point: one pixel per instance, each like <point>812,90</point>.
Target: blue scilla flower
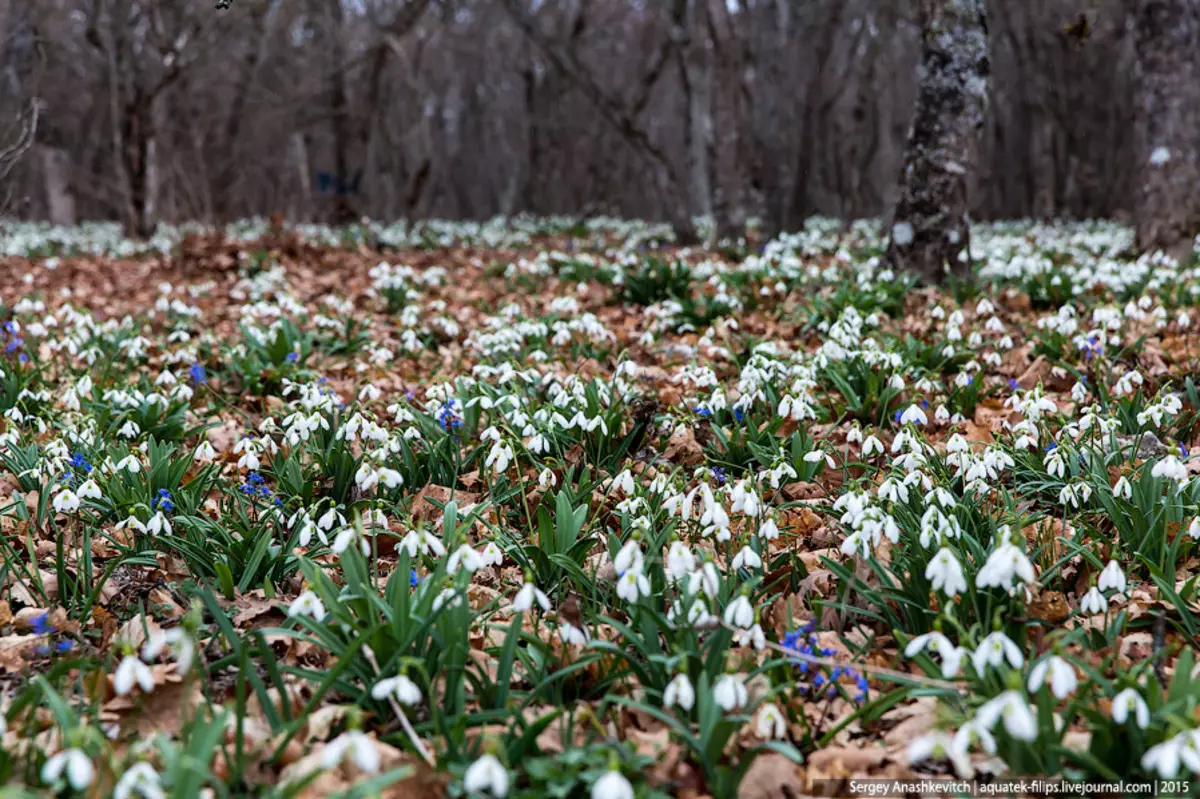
<point>164,501</point>
<point>41,625</point>
<point>739,414</point>
<point>413,579</point>
<point>197,374</point>
<point>292,356</point>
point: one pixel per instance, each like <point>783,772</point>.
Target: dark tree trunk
<point>930,225</point>
<point>1167,194</point>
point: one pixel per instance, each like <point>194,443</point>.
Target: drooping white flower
<point>612,785</point>
<point>529,594</point>
<point>487,775</point>
<point>1093,601</point>
<point>159,524</point>
<point>1063,679</point>
<point>632,584</point>
<point>139,780</point>
<point>680,692</point>
<point>1164,758</point>
<point>1012,708</point>
<point>179,642</point>
<point>75,763</point>
<point>405,690</point>
<point>66,501</point>
<point>730,692</point>
<point>739,612</point>
<point>1112,578</point>
<point>130,671</point>
<point>465,557</point>
<point>994,650</point>
<point>945,573</point>
<point>769,723</point>
<point>361,749</point>
<point>1128,700</point>
<point>307,604</point>
<point>937,745</point>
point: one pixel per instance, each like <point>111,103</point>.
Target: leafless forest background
<point>326,109</point>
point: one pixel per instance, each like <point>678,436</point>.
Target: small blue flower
<point>198,374</point>
<point>291,357</point>
<point>1013,384</point>
<point>739,414</point>
<point>719,474</point>
<point>65,645</point>
<point>1053,445</point>
<point>413,579</point>
<point>41,625</point>
<point>164,501</point>
<point>896,416</point>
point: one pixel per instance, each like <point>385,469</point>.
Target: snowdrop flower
<point>1094,602</point>
<point>491,555</point>
<point>141,780</point>
<point>571,634</point>
<point>680,560</point>
<point>390,478</point>
<point>629,558</point>
<point>1012,708</point>
<point>529,594</point>
<point>77,765</point>
<point>612,785</point>
<point>448,597</point>
<point>746,557</point>
<point>404,689</point>
<point>730,692</point>
<point>1164,757</point>
<point>1128,700</point>
<point>739,612</point>
<point>914,415</point>
<point>487,775</point>
<point>347,536</point>
<point>994,650</point>
<point>945,573</point>
<point>753,636</point>
<point>952,656</point>
<point>1006,563</point>
<point>129,430</point>
<point>872,446</point>
<point>65,501</point>
<point>1123,489</point>
<point>129,671</point>
<point>307,604</point>
<point>1193,530</point>
<point>679,692</point>
<point>1112,578</point>
<point>938,745</point>
<point>770,722</point>
<point>180,643</point>
<point>1171,468</point>
<point>89,490</point>
<point>158,524</point>
<point>421,541</point>
<point>464,557</point>
<point>1063,679</point>
<point>204,452</point>
<point>632,584</point>
<point>362,750</point>
<point>768,531</point>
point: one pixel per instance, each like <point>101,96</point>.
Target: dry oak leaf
<point>772,776</point>
<point>682,447</point>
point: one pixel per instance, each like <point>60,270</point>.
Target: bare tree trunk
<point>1167,195</point>
<point>55,175</point>
<point>695,57</point>
<point>930,226</point>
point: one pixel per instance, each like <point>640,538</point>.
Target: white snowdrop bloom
<point>632,584</point>
<point>89,490</point>
<point>529,594</point>
<point>546,479</point>
<point>994,650</point>
<point>624,481</point>
<point>139,780</point>
<point>307,604</point>
<point>1164,758</point>
<point>361,749</point>
<point>421,541</point>
<point>770,723</point>
<point>1170,468</point>
<point>178,641</point>
<point>465,557</point>
<point>612,785</point>
<point>937,745</point>
<point>1123,489</point>
<point>1093,602</point>
<point>66,501</point>
<point>132,671</point>
<point>945,573</point>
<point>491,555</point>
<point>739,612</point>
<point>679,692</point>
<point>629,558</point>
<point>159,524</point>
<point>1193,530</point>
<point>448,598</point>
<point>914,415</point>
<point>747,557</point>
<point>680,560</point>
<point>204,452</point>
<point>1112,578</point>
<point>1130,700</point>
<point>74,763</point>
<point>487,775</point>
<point>400,686</point>
<point>872,446</point>
<point>390,477</point>
<point>131,522</point>
<point>1005,564</point>
<point>1012,709</point>
<point>571,634</point>
<point>347,536</point>
<point>1063,679</point>
<point>730,692</point>
<point>769,530</point>
<point>129,430</point>
<point>752,636</point>
<point>705,579</point>
<point>366,478</point>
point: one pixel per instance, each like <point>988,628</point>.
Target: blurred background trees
<point>663,109</point>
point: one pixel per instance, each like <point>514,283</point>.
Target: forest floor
<point>552,510</point>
